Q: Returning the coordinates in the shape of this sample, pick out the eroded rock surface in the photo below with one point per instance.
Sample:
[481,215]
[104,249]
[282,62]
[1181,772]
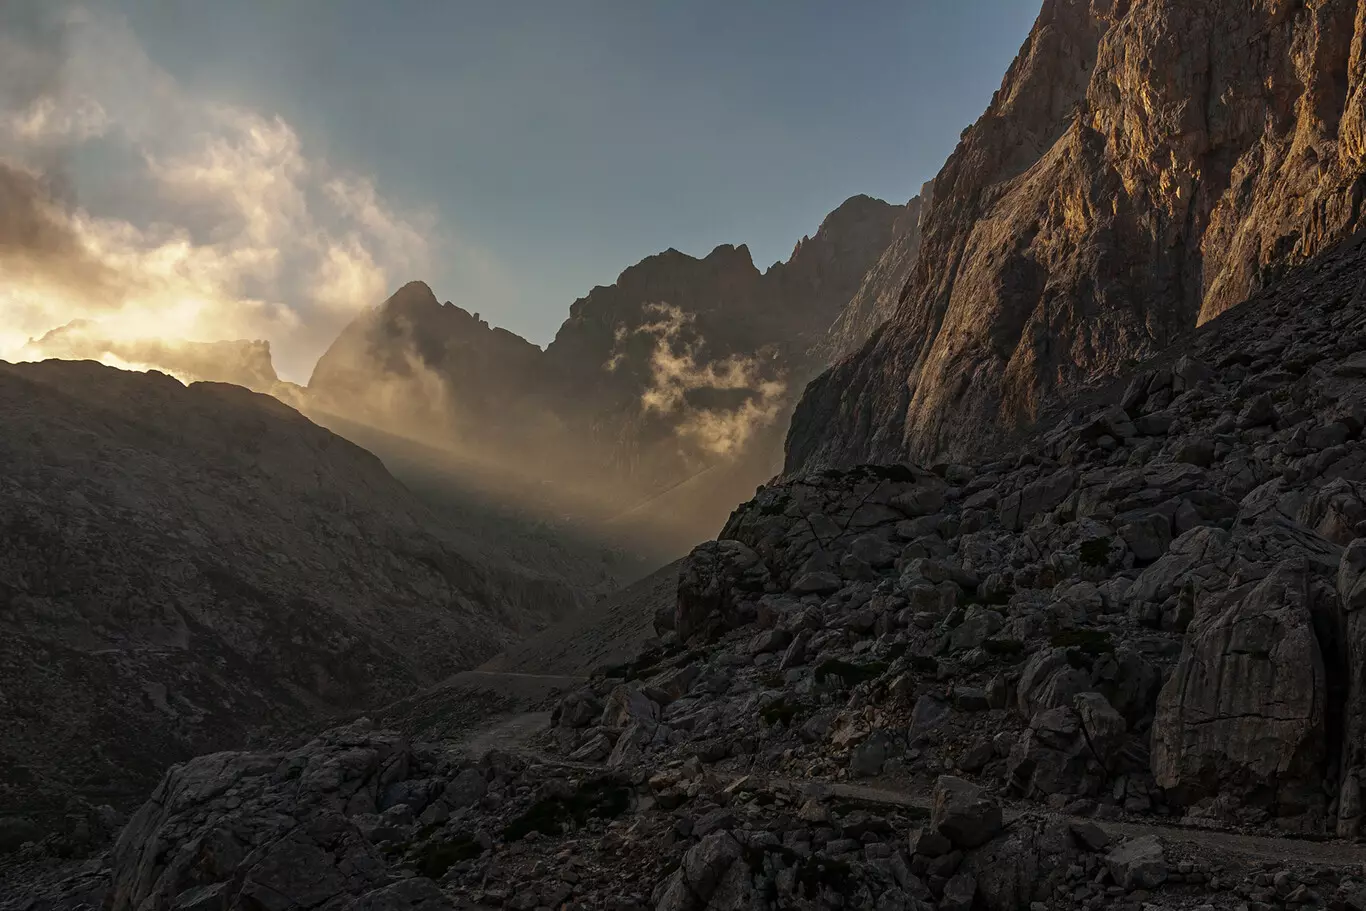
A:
[1143,167]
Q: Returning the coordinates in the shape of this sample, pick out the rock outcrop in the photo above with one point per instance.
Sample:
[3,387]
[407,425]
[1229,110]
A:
[1143,167]
[1247,704]
[184,564]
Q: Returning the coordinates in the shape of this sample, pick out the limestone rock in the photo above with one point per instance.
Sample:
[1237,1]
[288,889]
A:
[1138,863]
[962,814]
[1098,106]
[1245,708]
[713,588]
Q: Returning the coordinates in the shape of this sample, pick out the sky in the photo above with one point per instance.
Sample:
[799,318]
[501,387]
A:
[267,169]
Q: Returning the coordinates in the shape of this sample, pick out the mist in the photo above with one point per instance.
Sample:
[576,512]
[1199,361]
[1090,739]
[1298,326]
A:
[152,215]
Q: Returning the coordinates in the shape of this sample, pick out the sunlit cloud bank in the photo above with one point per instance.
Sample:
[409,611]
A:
[155,216]
[717,405]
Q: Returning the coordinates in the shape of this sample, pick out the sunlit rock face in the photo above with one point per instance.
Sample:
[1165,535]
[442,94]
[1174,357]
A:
[1143,167]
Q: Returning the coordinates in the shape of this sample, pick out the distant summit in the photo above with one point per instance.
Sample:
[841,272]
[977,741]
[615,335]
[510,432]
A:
[682,366]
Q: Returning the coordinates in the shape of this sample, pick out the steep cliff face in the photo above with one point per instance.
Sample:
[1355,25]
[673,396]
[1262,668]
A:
[1143,167]
[876,298]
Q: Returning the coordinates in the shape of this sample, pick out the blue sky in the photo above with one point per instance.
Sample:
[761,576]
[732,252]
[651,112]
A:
[567,140]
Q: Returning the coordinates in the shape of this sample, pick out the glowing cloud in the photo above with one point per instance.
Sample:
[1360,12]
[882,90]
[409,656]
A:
[221,225]
[681,382]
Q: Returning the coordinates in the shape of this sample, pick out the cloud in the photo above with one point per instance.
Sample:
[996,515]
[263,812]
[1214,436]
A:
[716,405]
[188,219]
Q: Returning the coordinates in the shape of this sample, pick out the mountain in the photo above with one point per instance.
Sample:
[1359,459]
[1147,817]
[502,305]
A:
[1143,167]
[428,362]
[1117,663]
[185,564]
[682,369]
[880,291]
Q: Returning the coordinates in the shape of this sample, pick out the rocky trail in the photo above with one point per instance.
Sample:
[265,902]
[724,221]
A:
[515,734]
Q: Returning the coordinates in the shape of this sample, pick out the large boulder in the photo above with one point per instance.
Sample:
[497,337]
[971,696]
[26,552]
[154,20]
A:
[962,814]
[1025,864]
[1138,863]
[702,874]
[1244,712]
[717,585]
[1197,558]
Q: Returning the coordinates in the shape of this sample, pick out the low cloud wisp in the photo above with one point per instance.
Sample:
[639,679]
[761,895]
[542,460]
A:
[716,405]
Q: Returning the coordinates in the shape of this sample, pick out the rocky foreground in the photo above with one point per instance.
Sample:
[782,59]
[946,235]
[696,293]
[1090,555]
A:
[1120,667]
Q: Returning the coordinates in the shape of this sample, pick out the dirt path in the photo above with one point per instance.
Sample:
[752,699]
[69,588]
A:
[509,733]
[1248,847]
[493,678]
[513,732]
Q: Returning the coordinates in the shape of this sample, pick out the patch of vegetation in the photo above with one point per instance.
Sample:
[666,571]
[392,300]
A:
[851,674]
[435,858]
[1088,641]
[1095,552]
[598,798]
[1003,646]
[780,711]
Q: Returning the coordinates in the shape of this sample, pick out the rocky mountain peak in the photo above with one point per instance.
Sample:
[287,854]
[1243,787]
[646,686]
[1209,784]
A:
[1142,168]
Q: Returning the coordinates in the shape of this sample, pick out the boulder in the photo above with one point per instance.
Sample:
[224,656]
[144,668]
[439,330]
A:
[1103,728]
[706,863]
[979,624]
[1244,711]
[959,893]
[716,586]
[286,832]
[627,705]
[962,814]
[1050,756]
[1197,558]
[1147,536]
[816,583]
[1138,863]
[579,709]
[1047,681]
